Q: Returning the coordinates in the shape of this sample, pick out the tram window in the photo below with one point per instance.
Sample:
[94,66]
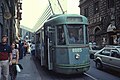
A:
[106,52]
[60,35]
[115,53]
[75,34]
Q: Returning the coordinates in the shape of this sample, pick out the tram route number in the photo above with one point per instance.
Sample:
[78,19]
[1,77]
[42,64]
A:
[77,50]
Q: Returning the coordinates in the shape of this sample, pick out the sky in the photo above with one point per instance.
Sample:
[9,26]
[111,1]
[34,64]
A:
[33,9]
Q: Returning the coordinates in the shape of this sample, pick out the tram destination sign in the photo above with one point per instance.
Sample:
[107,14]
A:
[74,19]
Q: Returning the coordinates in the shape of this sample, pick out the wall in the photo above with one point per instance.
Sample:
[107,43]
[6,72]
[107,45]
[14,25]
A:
[99,22]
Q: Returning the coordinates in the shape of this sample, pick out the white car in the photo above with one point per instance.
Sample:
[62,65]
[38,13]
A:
[108,56]
[93,50]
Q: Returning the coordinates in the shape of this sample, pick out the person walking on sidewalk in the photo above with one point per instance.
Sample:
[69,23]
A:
[15,59]
[25,46]
[5,56]
[20,50]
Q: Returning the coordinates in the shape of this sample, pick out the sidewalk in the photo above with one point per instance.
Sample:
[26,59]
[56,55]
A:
[29,71]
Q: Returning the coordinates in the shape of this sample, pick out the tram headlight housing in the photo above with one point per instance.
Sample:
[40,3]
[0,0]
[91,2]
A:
[77,56]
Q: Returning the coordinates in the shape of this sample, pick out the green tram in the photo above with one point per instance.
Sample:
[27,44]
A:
[62,44]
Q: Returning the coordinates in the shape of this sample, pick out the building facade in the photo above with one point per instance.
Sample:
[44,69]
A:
[18,17]
[7,19]
[104,20]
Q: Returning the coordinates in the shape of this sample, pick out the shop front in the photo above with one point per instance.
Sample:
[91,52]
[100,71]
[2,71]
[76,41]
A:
[113,35]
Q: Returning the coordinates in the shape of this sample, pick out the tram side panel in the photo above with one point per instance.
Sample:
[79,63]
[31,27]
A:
[37,42]
[49,47]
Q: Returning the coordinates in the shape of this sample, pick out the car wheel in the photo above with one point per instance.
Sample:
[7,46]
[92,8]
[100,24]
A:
[98,64]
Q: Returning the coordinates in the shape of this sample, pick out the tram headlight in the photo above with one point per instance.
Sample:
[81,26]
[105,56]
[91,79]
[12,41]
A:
[77,56]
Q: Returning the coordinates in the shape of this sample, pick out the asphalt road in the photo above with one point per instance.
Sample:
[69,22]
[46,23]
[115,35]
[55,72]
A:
[33,71]
[29,71]
[105,74]
[50,75]
[92,74]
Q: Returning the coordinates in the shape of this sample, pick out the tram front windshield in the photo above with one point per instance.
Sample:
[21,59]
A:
[75,34]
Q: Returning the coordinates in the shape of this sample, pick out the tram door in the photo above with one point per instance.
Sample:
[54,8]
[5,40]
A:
[50,49]
[42,47]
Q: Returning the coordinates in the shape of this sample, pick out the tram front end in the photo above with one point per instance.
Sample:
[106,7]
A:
[71,59]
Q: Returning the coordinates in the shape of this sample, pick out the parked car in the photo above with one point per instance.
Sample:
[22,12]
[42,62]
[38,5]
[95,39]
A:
[93,50]
[108,56]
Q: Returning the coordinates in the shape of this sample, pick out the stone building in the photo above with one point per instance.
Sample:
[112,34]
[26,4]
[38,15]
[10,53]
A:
[7,19]
[104,20]
[18,17]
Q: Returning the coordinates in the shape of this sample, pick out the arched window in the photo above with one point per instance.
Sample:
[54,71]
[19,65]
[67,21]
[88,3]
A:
[97,30]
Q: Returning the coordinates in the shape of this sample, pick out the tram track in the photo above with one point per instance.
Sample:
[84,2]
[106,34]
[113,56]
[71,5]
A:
[90,76]
[50,75]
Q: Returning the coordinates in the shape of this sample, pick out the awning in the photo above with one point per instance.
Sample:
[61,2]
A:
[111,28]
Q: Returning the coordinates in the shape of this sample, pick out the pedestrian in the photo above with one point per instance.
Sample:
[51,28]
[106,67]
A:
[71,38]
[5,57]
[20,50]
[29,47]
[15,53]
[15,59]
[33,49]
[25,46]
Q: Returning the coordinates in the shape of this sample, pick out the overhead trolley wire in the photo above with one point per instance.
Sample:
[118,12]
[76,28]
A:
[51,7]
[60,6]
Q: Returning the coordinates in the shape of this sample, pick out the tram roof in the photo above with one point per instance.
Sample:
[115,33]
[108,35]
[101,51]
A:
[62,19]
